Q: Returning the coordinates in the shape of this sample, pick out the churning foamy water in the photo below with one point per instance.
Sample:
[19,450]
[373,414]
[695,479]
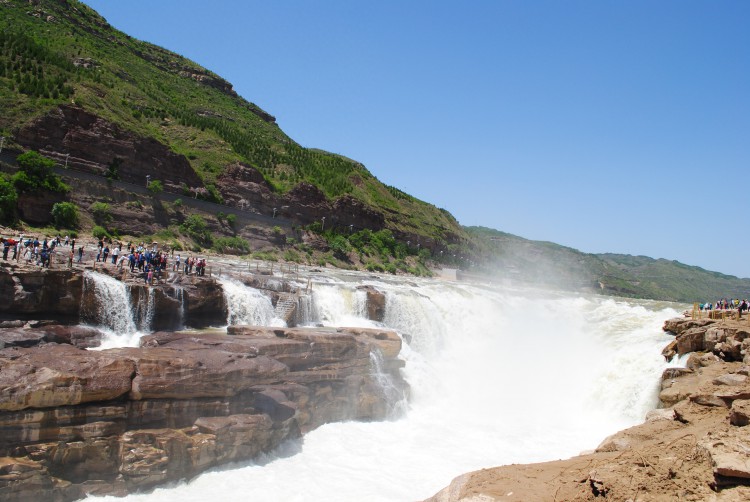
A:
[497,376]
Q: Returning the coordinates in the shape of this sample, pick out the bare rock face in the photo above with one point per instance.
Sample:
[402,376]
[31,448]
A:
[115,421]
[375,303]
[37,207]
[83,135]
[78,336]
[40,293]
[244,186]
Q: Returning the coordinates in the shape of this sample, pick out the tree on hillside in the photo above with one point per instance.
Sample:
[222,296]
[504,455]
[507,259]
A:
[8,200]
[36,172]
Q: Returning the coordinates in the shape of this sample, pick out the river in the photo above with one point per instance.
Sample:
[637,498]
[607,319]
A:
[498,375]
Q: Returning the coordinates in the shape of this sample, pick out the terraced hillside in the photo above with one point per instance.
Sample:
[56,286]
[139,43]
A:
[77,89]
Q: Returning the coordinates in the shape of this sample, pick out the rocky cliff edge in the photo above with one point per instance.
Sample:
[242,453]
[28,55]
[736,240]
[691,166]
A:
[696,446]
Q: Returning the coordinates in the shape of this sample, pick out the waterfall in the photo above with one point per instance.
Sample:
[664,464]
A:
[144,308]
[497,376]
[179,295]
[393,396]
[107,303]
[246,305]
[306,314]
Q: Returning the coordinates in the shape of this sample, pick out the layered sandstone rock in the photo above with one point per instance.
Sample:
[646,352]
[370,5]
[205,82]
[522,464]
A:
[94,144]
[74,421]
[32,292]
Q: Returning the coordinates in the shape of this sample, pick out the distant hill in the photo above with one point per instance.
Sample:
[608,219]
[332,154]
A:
[101,102]
[506,256]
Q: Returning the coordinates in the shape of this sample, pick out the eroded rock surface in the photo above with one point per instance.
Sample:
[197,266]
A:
[74,422]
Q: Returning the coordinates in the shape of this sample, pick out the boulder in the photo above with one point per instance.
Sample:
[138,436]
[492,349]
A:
[729,455]
[375,303]
[740,413]
[691,340]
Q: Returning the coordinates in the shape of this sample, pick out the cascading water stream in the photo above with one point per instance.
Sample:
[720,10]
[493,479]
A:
[107,305]
[497,376]
[246,305]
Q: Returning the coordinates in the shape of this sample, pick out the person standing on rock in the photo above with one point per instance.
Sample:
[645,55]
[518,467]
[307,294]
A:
[115,252]
[80,254]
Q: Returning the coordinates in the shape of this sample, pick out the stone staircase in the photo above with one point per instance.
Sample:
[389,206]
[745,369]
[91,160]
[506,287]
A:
[286,307]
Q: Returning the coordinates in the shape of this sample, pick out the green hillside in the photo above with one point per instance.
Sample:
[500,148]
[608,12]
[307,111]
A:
[57,52]
[506,256]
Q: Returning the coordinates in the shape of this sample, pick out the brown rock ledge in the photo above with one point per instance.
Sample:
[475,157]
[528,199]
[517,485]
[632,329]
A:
[696,447]
[74,422]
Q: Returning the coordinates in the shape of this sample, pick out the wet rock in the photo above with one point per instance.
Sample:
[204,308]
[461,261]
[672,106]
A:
[20,338]
[119,420]
[375,303]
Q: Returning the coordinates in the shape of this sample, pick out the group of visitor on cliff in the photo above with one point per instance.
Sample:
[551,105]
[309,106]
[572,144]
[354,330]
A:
[150,261]
[724,304]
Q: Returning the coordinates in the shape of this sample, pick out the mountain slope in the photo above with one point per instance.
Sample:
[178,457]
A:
[61,53]
[506,256]
[88,95]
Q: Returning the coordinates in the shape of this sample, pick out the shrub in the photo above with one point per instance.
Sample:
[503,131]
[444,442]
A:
[113,169]
[8,201]
[101,213]
[374,267]
[292,255]
[155,187]
[65,214]
[277,230]
[340,247]
[231,244]
[195,226]
[36,173]
[177,203]
[232,220]
[100,232]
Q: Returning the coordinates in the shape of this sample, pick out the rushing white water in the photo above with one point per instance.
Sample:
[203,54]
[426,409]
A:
[108,307]
[246,305]
[497,377]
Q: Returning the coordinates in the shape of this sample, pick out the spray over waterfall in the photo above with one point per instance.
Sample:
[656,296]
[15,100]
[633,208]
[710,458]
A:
[497,376]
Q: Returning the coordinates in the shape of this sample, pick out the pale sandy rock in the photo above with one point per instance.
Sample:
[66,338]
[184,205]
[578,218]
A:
[661,414]
[730,379]
[740,413]
[730,455]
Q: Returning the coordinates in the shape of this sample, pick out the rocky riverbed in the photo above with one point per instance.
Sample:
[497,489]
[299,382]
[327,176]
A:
[696,446]
[75,421]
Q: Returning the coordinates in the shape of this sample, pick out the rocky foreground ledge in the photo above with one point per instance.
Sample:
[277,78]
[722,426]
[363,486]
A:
[75,422]
[695,447]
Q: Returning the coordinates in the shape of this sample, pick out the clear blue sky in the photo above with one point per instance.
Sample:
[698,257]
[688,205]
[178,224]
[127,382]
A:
[606,126]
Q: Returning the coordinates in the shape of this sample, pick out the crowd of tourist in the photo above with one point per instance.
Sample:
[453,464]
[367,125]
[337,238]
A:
[724,304]
[149,261]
